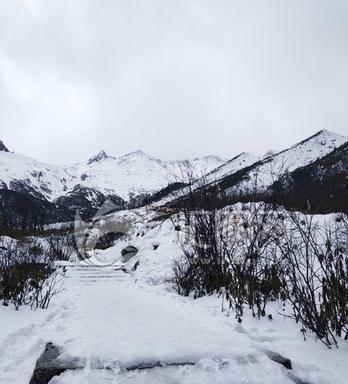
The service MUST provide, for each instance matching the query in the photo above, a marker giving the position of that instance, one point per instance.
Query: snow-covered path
(118, 323)
(106, 319)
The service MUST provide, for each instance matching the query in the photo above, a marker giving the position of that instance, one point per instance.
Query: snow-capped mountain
(135, 173)
(321, 156)
(321, 186)
(241, 161)
(128, 179)
(262, 174)
(213, 177)
(101, 177)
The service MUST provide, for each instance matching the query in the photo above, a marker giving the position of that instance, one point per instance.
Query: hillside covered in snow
(132, 179)
(131, 174)
(265, 172)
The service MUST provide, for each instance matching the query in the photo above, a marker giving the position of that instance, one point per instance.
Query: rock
(98, 157)
(3, 147)
(135, 266)
(277, 358)
(128, 252)
(177, 228)
(25, 186)
(47, 366)
(155, 246)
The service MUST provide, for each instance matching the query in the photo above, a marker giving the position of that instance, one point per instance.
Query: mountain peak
(326, 132)
(269, 153)
(98, 157)
(138, 152)
(322, 137)
(331, 135)
(3, 147)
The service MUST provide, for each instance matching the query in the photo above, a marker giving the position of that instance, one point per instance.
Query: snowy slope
(107, 321)
(137, 173)
(239, 162)
(21, 173)
(321, 185)
(265, 172)
(133, 173)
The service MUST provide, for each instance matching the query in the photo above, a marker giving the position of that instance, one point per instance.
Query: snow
(133, 173)
(136, 172)
(288, 160)
(237, 163)
(12, 320)
(108, 318)
(20, 342)
(135, 323)
(206, 371)
(265, 171)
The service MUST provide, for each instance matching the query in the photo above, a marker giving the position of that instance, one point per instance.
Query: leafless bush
(255, 269)
(27, 276)
(229, 253)
(59, 246)
(259, 253)
(200, 270)
(316, 278)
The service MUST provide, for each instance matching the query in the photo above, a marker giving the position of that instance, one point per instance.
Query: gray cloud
(176, 78)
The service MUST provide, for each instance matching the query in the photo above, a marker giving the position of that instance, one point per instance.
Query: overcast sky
(175, 78)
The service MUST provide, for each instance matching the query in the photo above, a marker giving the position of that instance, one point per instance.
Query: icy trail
(105, 318)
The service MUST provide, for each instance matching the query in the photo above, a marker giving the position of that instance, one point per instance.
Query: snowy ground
(109, 319)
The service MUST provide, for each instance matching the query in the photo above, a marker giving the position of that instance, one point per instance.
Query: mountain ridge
(255, 180)
(267, 170)
(125, 176)
(131, 179)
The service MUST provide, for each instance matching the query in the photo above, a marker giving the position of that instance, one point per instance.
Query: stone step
(50, 365)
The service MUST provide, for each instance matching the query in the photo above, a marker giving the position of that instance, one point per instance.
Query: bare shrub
(200, 270)
(27, 276)
(255, 269)
(258, 253)
(316, 277)
(59, 246)
(229, 253)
